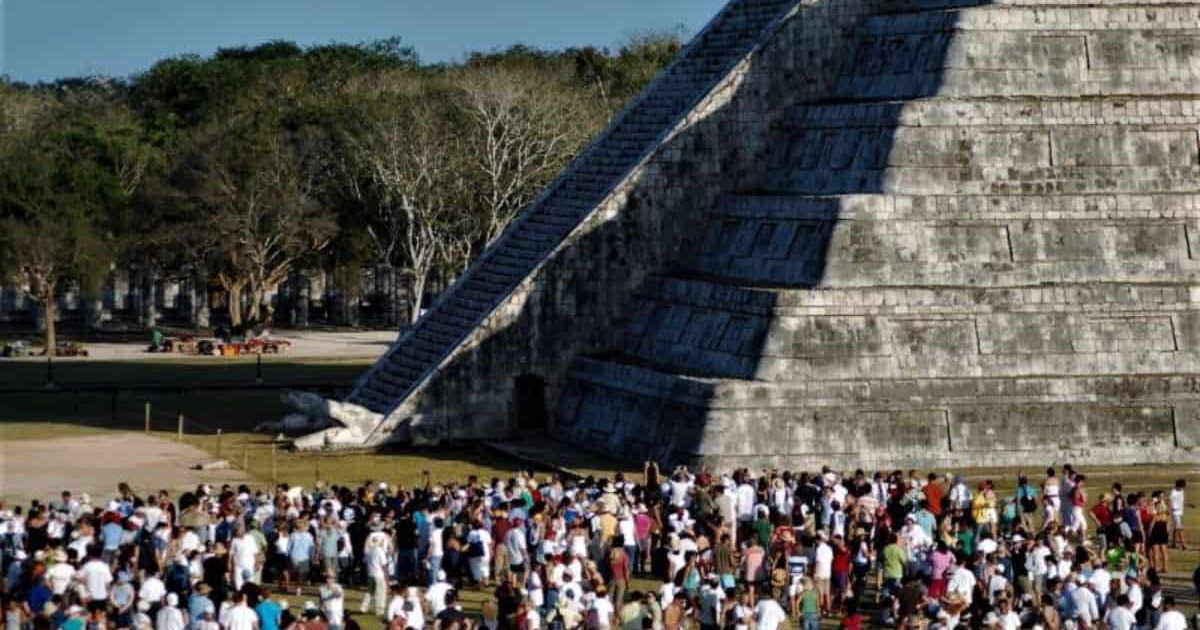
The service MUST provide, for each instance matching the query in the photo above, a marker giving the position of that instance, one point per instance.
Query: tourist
(572, 548)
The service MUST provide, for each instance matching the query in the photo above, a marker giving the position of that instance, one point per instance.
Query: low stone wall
(882, 423)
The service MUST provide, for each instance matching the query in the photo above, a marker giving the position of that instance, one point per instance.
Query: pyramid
(877, 232)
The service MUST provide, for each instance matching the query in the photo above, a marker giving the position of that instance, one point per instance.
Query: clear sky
(49, 39)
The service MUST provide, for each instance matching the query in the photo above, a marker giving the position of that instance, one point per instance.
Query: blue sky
(48, 39)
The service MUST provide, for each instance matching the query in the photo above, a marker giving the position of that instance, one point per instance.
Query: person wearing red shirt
(934, 492)
(840, 569)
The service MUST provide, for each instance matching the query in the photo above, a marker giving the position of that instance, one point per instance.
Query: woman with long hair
(1159, 536)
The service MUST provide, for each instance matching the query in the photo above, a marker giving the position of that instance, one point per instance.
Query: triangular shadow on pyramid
(893, 233)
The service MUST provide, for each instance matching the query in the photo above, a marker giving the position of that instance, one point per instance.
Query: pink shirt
(752, 562)
(939, 562)
(641, 525)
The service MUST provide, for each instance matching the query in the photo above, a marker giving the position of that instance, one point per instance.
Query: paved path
(306, 344)
(96, 464)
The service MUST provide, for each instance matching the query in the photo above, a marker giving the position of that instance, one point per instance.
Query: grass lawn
(39, 416)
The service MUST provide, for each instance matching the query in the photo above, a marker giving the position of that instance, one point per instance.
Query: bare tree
(266, 221)
(410, 159)
(525, 126)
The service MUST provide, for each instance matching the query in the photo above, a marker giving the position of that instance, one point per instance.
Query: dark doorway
(529, 403)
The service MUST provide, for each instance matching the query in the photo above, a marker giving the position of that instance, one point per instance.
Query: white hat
(310, 605)
(75, 610)
(382, 485)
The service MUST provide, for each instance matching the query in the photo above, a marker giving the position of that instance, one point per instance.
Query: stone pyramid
(854, 232)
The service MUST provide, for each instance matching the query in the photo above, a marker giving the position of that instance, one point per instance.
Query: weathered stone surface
(883, 233)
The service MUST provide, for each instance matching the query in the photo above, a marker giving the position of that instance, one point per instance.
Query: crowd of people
(738, 551)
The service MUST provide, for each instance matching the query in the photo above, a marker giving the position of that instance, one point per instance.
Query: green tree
(53, 202)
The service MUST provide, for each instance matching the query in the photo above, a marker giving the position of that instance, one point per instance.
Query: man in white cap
(1087, 613)
(169, 616)
(208, 619)
(375, 556)
(61, 571)
(436, 594)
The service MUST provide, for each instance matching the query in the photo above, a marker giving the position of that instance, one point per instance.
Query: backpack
(475, 549)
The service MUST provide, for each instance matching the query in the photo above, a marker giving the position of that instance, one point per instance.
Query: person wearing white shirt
(679, 489)
(604, 609)
(479, 553)
(1171, 619)
(243, 553)
(96, 578)
(768, 615)
(397, 608)
(333, 601)
(533, 619)
(1120, 617)
(571, 592)
(170, 617)
(1007, 619)
(59, 577)
(1177, 504)
(962, 581)
(189, 541)
(414, 613)
(746, 497)
(1101, 582)
(153, 515)
(666, 594)
(153, 589)
(1134, 591)
(1086, 610)
(241, 616)
(436, 594)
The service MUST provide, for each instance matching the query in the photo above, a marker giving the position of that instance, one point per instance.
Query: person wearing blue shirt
(39, 593)
(111, 534)
(925, 519)
(198, 603)
(300, 551)
(268, 612)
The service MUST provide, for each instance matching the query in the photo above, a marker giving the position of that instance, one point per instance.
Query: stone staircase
(543, 226)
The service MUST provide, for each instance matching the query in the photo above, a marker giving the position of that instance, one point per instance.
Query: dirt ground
(96, 464)
(305, 344)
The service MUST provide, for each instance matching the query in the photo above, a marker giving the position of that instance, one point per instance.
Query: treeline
(243, 168)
